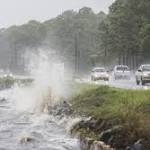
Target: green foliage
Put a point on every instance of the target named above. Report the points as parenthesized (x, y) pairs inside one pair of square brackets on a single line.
[(9, 81), (126, 32), (6, 82), (104, 101), (62, 34), (145, 39), (129, 109)]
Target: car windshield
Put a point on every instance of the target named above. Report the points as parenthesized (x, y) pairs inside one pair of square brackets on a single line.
[(124, 68), (146, 68), (99, 70)]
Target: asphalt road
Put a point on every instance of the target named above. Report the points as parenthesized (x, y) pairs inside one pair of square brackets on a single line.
[(125, 84)]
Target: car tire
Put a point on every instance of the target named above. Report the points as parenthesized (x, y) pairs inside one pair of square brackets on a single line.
[(106, 80), (143, 82), (137, 82)]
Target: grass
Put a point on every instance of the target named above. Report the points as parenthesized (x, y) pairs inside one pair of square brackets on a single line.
[(8, 81), (128, 108), (104, 101)]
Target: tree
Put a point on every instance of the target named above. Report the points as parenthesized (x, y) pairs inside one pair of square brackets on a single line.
[(126, 29)]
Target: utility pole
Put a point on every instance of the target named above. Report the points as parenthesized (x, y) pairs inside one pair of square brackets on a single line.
[(76, 57), (14, 58), (105, 57), (76, 51)]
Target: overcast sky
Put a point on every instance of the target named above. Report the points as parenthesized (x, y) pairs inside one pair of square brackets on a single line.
[(16, 12)]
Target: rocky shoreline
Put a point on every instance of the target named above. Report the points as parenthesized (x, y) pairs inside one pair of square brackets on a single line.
[(97, 134), (90, 144), (91, 136), (87, 138), (86, 143)]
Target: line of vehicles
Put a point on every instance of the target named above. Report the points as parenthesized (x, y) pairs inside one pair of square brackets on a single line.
[(142, 75)]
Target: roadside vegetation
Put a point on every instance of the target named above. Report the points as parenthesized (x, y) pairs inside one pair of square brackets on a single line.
[(119, 117), (9, 81)]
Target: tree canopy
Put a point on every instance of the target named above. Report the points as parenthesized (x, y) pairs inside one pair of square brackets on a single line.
[(120, 37)]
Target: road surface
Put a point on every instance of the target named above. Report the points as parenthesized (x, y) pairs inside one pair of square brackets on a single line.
[(125, 84)]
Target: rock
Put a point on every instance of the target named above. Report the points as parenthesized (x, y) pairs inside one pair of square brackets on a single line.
[(86, 143), (83, 145), (90, 144), (83, 124), (25, 138), (92, 124), (60, 109), (107, 134), (66, 108), (136, 146), (127, 148), (100, 125), (98, 145)]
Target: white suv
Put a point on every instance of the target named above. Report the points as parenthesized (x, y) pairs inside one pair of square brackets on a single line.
[(143, 74), (99, 73), (121, 72)]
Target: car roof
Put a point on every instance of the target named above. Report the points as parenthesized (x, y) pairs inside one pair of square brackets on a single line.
[(98, 68), (145, 65), (121, 66)]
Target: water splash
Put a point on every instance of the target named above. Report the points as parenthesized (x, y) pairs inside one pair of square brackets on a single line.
[(47, 88), (72, 122)]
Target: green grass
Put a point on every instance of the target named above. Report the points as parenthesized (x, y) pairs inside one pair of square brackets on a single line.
[(80, 88), (105, 102), (128, 108), (8, 81)]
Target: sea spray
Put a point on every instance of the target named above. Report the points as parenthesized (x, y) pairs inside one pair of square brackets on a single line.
[(72, 122), (46, 89)]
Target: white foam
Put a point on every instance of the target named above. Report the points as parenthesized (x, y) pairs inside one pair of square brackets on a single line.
[(47, 87)]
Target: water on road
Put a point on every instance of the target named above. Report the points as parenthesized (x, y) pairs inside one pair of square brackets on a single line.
[(124, 84)]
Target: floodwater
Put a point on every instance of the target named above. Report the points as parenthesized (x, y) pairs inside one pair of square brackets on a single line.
[(29, 131)]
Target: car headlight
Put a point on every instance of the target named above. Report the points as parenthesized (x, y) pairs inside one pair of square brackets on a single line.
[(107, 75), (145, 74), (96, 75)]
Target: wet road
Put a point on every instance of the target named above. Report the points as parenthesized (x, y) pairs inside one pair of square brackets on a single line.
[(125, 84)]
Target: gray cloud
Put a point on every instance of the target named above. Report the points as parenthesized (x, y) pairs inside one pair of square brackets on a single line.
[(21, 11)]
